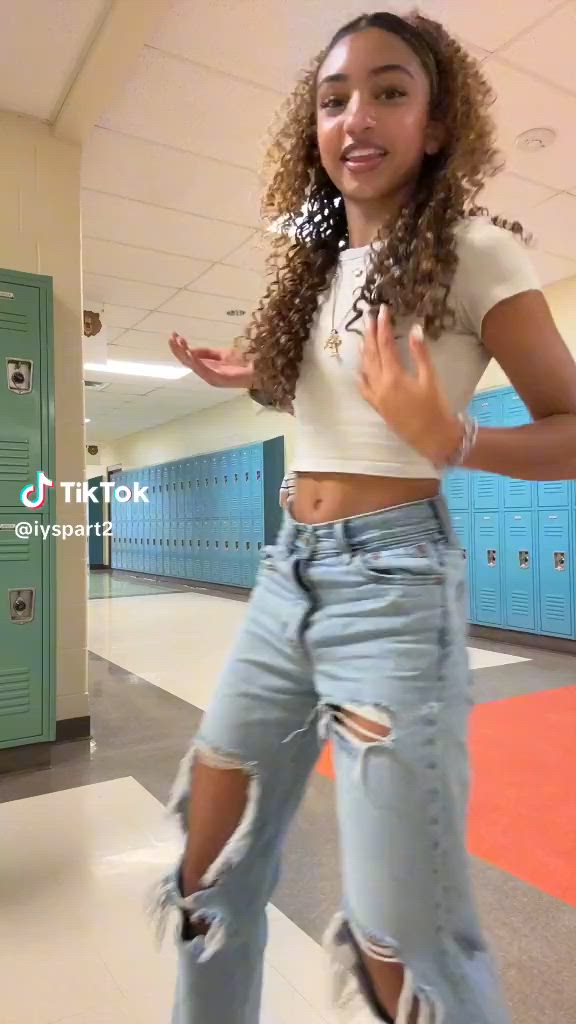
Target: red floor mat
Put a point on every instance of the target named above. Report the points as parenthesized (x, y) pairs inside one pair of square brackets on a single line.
[(523, 808)]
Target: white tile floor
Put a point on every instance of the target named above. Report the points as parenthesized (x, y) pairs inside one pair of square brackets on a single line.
[(76, 945), (180, 642)]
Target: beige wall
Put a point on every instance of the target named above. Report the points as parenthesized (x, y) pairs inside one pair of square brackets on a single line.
[(237, 422), (40, 233)]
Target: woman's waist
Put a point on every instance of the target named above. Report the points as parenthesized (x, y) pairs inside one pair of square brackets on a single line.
[(328, 497), (402, 525)]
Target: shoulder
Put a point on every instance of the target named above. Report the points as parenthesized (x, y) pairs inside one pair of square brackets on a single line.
[(493, 264), (478, 238)]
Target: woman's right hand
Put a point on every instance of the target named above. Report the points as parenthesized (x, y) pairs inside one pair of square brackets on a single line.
[(220, 367)]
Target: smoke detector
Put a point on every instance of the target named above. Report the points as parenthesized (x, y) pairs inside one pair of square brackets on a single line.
[(536, 139)]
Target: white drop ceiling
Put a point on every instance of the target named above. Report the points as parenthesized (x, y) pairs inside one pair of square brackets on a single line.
[(170, 185)]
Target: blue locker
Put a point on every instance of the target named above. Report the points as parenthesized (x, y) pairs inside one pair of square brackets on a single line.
[(172, 487), (164, 550), (553, 493), (164, 505), (257, 480), (519, 571), (456, 489), (136, 553), (517, 493), (154, 554), (245, 482), (234, 466), (154, 496), (487, 408), (462, 528), (146, 553), (181, 484), (181, 549), (189, 498), (144, 480), (555, 567), (487, 589), (189, 559)]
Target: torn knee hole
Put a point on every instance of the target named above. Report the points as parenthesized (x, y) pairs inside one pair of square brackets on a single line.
[(225, 826), (365, 724), (368, 970)]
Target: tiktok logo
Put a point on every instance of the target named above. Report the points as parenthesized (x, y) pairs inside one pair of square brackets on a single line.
[(35, 496)]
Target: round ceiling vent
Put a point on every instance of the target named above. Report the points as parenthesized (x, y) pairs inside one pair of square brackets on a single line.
[(536, 139)]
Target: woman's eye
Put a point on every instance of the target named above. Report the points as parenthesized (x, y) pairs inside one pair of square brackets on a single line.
[(391, 94), (331, 103)]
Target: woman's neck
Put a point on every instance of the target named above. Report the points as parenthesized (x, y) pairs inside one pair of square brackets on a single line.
[(366, 219)]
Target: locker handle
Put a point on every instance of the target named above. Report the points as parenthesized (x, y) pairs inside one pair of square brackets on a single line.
[(560, 561), (491, 557), (524, 559)]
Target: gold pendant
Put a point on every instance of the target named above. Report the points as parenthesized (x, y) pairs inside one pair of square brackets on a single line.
[(333, 343)]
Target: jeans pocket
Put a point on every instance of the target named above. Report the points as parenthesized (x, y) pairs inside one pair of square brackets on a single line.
[(415, 565)]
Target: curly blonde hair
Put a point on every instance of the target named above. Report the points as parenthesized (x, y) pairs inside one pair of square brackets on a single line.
[(413, 266)]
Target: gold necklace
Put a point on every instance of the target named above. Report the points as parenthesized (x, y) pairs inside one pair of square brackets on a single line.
[(333, 342)]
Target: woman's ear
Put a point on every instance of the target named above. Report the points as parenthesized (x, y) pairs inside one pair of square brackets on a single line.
[(435, 137)]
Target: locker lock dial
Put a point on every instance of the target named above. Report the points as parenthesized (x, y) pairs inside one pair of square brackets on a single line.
[(19, 376), (21, 605)]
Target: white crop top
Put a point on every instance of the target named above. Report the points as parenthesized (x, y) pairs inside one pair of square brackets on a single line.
[(337, 431)]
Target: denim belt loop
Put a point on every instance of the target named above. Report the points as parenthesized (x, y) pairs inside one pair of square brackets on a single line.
[(442, 515), (341, 537)]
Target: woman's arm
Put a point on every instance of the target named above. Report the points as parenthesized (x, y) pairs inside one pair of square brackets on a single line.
[(522, 336)]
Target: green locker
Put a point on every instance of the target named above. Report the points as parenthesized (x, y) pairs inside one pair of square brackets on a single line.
[(27, 584)]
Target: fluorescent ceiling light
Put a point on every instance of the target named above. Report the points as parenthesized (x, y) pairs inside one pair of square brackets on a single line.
[(158, 370), (87, 421)]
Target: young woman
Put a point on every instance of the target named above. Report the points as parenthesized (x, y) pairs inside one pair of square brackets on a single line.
[(357, 624)]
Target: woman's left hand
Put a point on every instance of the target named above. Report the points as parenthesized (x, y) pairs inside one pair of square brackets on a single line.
[(412, 405)]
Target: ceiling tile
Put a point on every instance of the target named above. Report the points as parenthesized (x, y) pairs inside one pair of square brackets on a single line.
[(223, 280), (207, 332), (494, 25), (41, 47), (252, 254), (512, 197), (523, 103), (548, 50), (290, 35), (152, 344), (150, 227), (134, 264), (121, 385), (555, 226), (208, 307), (552, 268), (113, 163), (129, 293), (176, 103), (133, 354), (122, 316)]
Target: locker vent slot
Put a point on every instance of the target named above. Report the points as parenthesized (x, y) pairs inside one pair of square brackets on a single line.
[(487, 600), (13, 321), (15, 461), (519, 604), (14, 691), (555, 608)]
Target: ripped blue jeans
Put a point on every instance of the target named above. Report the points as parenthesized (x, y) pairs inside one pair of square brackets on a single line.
[(362, 617)]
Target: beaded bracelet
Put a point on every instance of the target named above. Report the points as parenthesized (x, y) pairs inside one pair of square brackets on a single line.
[(467, 441)]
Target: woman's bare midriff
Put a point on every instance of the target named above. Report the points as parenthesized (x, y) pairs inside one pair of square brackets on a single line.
[(325, 497)]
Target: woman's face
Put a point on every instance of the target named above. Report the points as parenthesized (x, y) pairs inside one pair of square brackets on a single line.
[(372, 108)]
